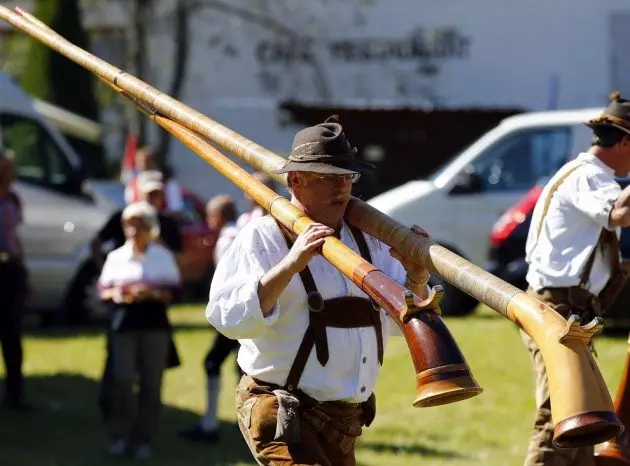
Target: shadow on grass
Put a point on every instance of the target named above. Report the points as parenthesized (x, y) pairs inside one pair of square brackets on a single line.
[(97, 330), (411, 449), (65, 428)]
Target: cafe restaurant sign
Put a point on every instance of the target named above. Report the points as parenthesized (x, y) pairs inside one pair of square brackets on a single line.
[(440, 43)]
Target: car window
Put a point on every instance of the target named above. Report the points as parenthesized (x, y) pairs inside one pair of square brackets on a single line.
[(520, 161), (38, 158)]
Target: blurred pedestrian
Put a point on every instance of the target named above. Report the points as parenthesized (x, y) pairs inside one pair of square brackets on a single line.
[(146, 161), (221, 216), (138, 280), (152, 190), (13, 288)]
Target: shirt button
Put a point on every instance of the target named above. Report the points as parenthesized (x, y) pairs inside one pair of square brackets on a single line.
[(362, 389), (364, 359)]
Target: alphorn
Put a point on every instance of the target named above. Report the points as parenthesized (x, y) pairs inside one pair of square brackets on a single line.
[(442, 374), (616, 452), (582, 408)]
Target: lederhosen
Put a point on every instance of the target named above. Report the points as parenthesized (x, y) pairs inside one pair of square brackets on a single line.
[(344, 312), (578, 299)]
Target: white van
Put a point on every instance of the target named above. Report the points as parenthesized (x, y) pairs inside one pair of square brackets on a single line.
[(60, 217), (459, 204)]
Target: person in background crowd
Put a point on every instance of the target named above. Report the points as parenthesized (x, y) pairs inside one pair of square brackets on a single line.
[(573, 254), (152, 191), (138, 280), (146, 161), (13, 288), (254, 210), (221, 217)]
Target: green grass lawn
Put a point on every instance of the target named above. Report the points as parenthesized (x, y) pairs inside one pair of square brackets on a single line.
[(491, 429)]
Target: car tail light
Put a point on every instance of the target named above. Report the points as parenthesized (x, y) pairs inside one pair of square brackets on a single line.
[(514, 216)]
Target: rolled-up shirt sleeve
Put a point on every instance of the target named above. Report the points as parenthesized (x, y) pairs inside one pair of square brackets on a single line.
[(234, 308), (595, 195)]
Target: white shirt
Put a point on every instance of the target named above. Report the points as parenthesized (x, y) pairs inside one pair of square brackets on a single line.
[(225, 239), (269, 344), (578, 211), (156, 267)]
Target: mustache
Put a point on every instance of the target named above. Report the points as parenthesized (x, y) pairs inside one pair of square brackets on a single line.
[(338, 197)]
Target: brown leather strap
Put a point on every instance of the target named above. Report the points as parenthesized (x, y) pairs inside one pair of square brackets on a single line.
[(361, 243), (588, 266), (607, 240), (343, 312), (612, 240), (359, 237), (550, 194)]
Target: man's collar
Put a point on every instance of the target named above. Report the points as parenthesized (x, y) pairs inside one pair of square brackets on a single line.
[(591, 158)]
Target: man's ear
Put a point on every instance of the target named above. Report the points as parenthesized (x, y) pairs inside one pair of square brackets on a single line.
[(625, 141), (294, 180)]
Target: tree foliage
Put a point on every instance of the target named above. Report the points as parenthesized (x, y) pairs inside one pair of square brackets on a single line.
[(52, 77)]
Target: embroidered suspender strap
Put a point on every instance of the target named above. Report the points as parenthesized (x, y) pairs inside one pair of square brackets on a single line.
[(345, 312), (586, 271), (552, 191)]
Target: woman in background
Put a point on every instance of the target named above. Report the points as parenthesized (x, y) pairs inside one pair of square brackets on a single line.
[(138, 280)]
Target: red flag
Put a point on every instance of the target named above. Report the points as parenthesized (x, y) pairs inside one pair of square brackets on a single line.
[(128, 169)]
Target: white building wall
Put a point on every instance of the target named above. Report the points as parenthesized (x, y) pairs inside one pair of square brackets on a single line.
[(532, 55)]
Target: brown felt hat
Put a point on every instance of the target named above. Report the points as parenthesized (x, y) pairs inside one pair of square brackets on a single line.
[(617, 114), (324, 148)]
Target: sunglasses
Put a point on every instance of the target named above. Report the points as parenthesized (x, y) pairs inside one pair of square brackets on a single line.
[(333, 179)]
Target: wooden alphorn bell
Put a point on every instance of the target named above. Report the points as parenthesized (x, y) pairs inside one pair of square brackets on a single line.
[(616, 452), (582, 409)]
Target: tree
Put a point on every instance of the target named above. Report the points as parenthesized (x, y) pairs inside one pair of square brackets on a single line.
[(142, 21), (50, 76)]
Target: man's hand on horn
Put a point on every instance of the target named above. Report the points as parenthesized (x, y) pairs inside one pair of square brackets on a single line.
[(417, 273)]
